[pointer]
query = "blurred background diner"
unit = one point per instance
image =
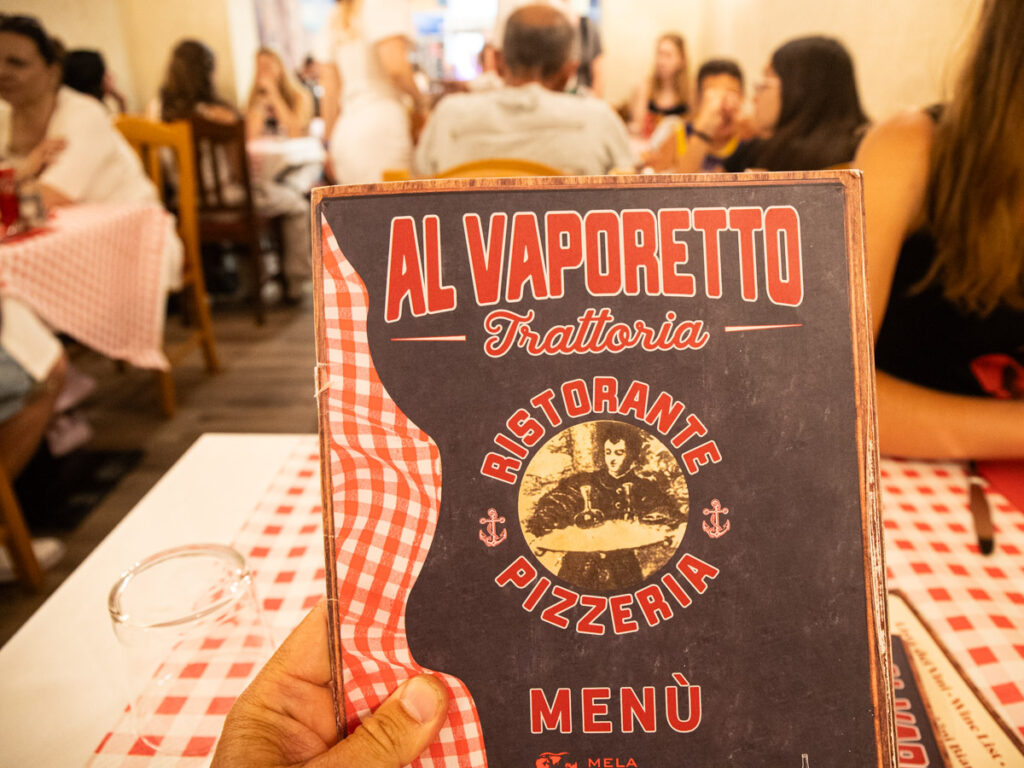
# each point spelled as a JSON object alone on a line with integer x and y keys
{"x": 161, "y": 157}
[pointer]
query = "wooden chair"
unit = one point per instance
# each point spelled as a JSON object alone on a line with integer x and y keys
{"x": 492, "y": 167}
{"x": 15, "y": 538}
{"x": 149, "y": 139}
{"x": 227, "y": 212}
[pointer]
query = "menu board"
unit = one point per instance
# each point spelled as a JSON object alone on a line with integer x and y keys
{"x": 600, "y": 452}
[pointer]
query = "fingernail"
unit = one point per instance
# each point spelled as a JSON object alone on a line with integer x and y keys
{"x": 420, "y": 700}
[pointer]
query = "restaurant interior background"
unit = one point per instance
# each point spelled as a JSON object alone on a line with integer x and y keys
{"x": 239, "y": 461}
{"x": 903, "y": 51}
{"x": 908, "y": 38}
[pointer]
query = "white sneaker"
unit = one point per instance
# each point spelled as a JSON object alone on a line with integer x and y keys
{"x": 48, "y": 552}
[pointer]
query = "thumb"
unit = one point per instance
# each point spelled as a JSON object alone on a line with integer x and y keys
{"x": 398, "y": 731}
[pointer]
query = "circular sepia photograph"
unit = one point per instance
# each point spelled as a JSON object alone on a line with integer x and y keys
{"x": 603, "y": 505}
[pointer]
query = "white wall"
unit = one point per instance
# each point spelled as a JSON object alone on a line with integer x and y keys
{"x": 136, "y": 37}
{"x": 902, "y": 49}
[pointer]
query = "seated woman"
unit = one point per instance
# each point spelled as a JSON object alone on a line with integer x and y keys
{"x": 806, "y": 108}
{"x": 64, "y": 139}
{"x": 944, "y": 196}
{"x": 95, "y": 164}
{"x": 188, "y": 91}
{"x": 278, "y": 105}
{"x": 667, "y": 91}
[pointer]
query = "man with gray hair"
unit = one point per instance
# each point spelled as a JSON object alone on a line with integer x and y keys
{"x": 531, "y": 118}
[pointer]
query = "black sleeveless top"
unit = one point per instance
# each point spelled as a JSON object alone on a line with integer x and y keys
{"x": 676, "y": 109}
{"x": 927, "y": 340}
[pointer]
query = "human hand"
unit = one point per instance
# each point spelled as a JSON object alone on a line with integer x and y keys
{"x": 710, "y": 115}
{"x": 286, "y": 715}
{"x": 39, "y": 158}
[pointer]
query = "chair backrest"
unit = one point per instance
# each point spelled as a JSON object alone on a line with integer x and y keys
{"x": 498, "y": 166}
{"x": 155, "y": 142}
{"x": 222, "y": 174}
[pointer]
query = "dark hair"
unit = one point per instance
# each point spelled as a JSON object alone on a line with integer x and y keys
{"x": 820, "y": 120}
{"x": 713, "y": 67}
{"x": 188, "y": 82}
{"x": 537, "y": 39}
{"x": 28, "y": 26}
{"x": 84, "y": 71}
{"x": 614, "y": 432}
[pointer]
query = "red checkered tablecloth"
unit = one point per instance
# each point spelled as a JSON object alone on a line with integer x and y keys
{"x": 282, "y": 542}
{"x": 973, "y": 603}
{"x": 96, "y": 273}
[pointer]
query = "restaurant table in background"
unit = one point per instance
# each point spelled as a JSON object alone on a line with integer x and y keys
{"x": 98, "y": 273}
{"x": 298, "y": 162}
{"x": 262, "y": 494}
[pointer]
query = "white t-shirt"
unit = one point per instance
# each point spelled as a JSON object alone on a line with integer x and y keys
{"x": 353, "y": 51}
{"x": 579, "y": 135}
{"x": 97, "y": 165}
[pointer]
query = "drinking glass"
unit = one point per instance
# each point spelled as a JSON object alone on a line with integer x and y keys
{"x": 192, "y": 636}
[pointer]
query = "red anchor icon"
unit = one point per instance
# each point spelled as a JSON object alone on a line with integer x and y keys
{"x": 492, "y": 538}
{"x": 715, "y": 530}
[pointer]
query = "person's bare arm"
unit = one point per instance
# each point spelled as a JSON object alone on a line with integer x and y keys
{"x": 293, "y": 120}
{"x": 53, "y": 197}
{"x": 706, "y": 124}
{"x": 638, "y": 109}
{"x": 393, "y": 54}
{"x": 254, "y": 119}
{"x": 330, "y": 104}
{"x": 915, "y": 420}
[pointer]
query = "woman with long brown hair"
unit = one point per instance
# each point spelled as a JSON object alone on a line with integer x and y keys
{"x": 944, "y": 194}
{"x": 667, "y": 90}
{"x": 188, "y": 89}
{"x": 278, "y": 105}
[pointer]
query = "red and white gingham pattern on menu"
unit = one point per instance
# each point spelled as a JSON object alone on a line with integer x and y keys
{"x": 96, "y": 273}
{"x": 282, "y": 542}
{"x": 973, "y": 603}
{"x": 387, "y": 488}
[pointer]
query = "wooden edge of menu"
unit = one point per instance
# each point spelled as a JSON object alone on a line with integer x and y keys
{"x": 850, "y": 180}
{"x": 322, "y": 378}
{"x": 867, "y": 439}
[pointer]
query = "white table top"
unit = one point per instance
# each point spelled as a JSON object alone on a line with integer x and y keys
{"x": 57, "y": 696}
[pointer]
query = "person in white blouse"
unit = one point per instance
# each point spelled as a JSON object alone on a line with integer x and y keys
{"x": 367, "y": 76}
{"x": 64, "y": 139}
{"x": 94, "y": 164}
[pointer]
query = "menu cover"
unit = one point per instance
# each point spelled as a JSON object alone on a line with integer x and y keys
{"x": 600, "y": 452}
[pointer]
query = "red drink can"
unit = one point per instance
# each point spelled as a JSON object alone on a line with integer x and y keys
{"x": 8, "y": 199}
